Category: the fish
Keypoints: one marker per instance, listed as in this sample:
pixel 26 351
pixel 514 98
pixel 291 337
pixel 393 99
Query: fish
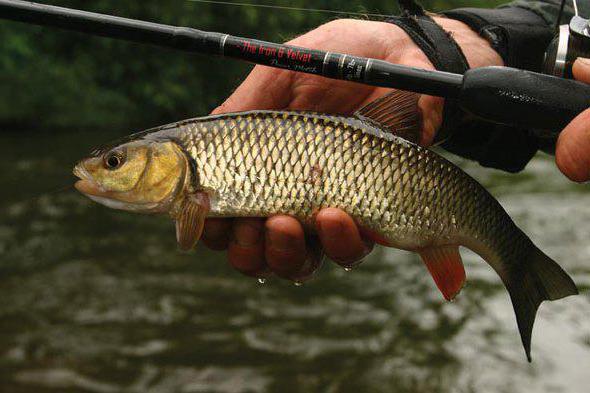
pixel 263 163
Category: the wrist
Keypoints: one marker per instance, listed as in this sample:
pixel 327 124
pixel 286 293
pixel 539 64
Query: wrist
pixel 477 50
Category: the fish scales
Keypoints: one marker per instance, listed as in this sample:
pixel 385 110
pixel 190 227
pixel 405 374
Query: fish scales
pixel 263 163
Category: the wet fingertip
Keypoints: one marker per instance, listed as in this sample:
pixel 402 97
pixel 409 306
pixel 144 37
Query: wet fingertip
pixel 308 271
pixel 247 232
pixel 284 233
pixel 329 222
pixel 351 266
pixel 246 261
pixel 354 262
pixel 285 254
pixel 285 263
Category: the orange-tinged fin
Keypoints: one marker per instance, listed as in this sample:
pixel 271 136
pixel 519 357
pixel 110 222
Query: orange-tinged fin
pixel 445 265
pixel 396 112
pixel 191 219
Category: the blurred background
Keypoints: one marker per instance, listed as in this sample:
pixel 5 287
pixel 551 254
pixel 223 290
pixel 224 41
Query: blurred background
pixel 95 300
pixel 59 79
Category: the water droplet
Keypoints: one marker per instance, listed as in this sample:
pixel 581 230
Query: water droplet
pixel 297 283
pixel 261 280
pixel 348 269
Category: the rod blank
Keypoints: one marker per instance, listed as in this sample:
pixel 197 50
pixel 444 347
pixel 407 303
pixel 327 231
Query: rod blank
pixel 332 65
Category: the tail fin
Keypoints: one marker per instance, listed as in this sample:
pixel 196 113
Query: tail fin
pixel 541 279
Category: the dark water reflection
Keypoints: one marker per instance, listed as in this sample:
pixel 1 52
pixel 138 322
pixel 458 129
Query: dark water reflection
pixel 93 300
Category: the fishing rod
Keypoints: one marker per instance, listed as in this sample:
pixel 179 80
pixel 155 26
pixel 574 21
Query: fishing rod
pixel 497 94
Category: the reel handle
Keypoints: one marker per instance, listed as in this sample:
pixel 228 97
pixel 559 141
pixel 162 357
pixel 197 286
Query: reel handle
pixel 523 98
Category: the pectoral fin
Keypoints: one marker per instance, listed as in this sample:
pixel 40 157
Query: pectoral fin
pixel 446 267
pixel 191 219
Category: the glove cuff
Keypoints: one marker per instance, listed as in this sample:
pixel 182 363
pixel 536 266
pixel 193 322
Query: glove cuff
pixel 520 36
pixel 440 48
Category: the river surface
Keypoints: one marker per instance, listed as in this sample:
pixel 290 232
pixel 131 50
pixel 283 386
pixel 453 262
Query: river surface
pixel 96 300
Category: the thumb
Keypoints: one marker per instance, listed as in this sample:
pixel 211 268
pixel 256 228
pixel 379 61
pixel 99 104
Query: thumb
pixel 572 152
pixel 581 69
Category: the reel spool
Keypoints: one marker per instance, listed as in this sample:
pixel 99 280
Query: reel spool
pixel 571 41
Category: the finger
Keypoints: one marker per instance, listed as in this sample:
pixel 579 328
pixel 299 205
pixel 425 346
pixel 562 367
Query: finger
pixel 581 69
pixel 246 249
pixel 573 144
pixel 285 246
pixel 572 152
pixel 314 259
pixel 340 237
pixel 264 88
pixel 431 109
pixel 216 233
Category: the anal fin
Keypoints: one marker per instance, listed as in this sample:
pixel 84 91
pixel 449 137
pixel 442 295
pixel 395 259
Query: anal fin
pixel 191 219
pixel 446 268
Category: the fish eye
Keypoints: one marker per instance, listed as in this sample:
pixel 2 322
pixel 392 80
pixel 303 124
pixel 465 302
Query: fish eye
pixel 113 160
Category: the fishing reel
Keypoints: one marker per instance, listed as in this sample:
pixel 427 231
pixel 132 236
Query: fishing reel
pixel 570 42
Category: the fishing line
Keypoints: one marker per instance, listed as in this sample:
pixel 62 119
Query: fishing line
pixel 289 8
pixel 561 8
pixel 36 197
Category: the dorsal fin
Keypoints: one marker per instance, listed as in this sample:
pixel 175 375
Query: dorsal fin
pixel 396 112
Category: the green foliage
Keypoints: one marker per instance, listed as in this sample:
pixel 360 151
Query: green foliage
pixel 54 78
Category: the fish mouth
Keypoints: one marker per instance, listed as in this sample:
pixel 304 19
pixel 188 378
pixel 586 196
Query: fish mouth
pixel 86 185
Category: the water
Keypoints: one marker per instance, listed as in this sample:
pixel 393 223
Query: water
pixel 94 300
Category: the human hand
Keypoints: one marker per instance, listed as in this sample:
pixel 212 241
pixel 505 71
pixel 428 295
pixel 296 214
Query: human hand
pixel 572 153
pixel 278 245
